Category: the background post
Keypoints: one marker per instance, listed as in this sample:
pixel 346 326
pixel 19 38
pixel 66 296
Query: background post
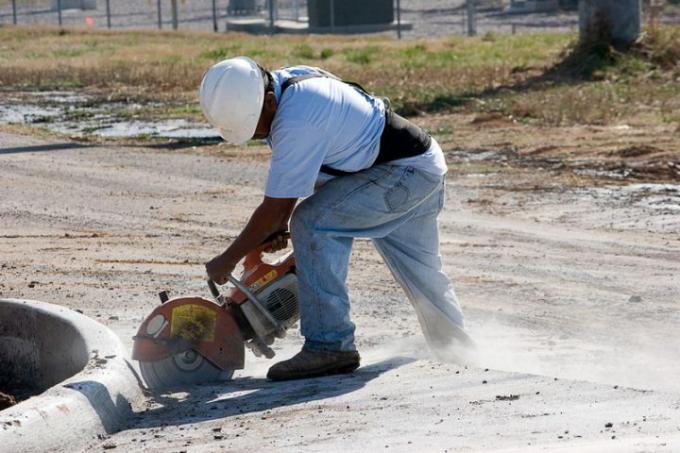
pixel 59 11
pixel 214 14
pixel 175 19
pixel 108 13
pixel 398 19
pixel 160 17
pixel 14 12
pixel 471 18
pixel 271 17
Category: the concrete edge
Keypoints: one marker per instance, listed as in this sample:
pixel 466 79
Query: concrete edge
pixel 262 26
pixel 94 402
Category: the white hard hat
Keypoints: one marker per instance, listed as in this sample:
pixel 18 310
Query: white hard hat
pixel 232 95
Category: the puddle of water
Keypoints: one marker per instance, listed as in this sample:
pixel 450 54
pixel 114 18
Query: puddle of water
pixel 110 128
pixel 79 115
pixel 613 174
pixel 655 197
pixel 468 156
pixel 27 114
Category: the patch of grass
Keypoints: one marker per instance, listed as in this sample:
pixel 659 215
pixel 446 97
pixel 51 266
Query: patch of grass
pixel 490 37
pixel 326 53
pixel 533 77
pixel 161 63
pixel 661 47
pixel 69 52
pixel 361 56
pixel 220 53
pixel 597 58
pixel 186 109
pixel 596 83
pixel 596 104
pixel 77 114
pixel 304 51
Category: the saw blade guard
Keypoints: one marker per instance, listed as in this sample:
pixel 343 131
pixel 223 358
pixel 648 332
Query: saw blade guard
pixel 191 323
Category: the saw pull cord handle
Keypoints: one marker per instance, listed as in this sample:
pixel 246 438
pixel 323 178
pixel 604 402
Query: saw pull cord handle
pixel 254 257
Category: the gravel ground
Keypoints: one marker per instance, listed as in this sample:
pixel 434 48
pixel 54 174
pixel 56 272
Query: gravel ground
pixel 430 18
pixel 571 294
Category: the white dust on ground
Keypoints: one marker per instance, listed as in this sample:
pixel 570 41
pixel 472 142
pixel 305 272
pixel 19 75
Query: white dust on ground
pixel 642 363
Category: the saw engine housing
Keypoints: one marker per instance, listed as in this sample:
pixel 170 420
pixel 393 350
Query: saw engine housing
pixel 188 340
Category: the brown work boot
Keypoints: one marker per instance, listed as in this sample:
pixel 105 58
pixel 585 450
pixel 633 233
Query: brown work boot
pixel 308 363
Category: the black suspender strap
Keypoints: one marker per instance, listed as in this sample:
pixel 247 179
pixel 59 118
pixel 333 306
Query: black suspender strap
pixel 316 75
pixel 297 79
pixel 400 138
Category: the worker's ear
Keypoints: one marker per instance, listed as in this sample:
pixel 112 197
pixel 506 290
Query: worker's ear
pixel 269 102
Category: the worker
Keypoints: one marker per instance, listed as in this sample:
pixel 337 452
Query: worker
pixel 362 171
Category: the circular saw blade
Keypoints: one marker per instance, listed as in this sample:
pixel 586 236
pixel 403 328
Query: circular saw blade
pixel 185 368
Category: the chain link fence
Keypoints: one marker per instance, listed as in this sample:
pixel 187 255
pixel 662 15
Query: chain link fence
pixel 407 18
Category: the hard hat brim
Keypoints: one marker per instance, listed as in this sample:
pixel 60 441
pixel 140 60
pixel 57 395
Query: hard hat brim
pixel 237 137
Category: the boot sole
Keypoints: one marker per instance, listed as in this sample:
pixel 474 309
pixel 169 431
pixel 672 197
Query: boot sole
pixel 345 369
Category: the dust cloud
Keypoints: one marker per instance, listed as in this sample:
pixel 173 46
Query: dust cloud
pixel 632 360
pixel 637 361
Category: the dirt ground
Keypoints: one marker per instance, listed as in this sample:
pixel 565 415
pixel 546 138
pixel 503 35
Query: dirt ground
pixel 568 276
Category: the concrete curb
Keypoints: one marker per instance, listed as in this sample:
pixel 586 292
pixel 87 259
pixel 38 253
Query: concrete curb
pixel 71 414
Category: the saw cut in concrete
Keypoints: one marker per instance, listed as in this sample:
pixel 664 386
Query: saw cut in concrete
pixel 77 369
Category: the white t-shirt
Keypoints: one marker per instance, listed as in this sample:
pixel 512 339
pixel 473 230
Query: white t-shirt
pixel 323 121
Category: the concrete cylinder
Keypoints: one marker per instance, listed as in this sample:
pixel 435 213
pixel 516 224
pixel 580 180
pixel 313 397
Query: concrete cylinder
pixel 619 20
pixel 37 349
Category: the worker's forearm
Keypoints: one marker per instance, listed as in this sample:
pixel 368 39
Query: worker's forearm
pixel 263 223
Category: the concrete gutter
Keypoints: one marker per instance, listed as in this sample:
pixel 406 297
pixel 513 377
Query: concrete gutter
pixel 80 364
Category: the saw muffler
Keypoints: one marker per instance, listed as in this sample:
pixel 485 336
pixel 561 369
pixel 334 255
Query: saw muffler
pixel 192 340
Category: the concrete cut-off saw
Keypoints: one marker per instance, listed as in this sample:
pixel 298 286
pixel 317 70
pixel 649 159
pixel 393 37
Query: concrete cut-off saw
pixel 193 340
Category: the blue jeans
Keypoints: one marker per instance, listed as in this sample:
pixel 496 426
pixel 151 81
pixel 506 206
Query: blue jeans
pixel 395 206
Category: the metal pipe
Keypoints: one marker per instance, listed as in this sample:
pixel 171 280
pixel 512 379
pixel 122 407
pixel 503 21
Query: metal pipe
pixel 471 18
pixel 108 13
pixel 175 19
pixel 214 14
pixel 59 11
pixel 14 12
pixel 160 17
pixel 398 19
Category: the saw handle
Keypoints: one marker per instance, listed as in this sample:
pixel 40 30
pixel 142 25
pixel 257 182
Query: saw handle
pixel 213 289
pixel 254 257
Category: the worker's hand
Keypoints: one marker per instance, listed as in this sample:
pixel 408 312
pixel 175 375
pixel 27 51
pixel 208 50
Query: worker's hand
pixel 219 268
pixel 279 241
